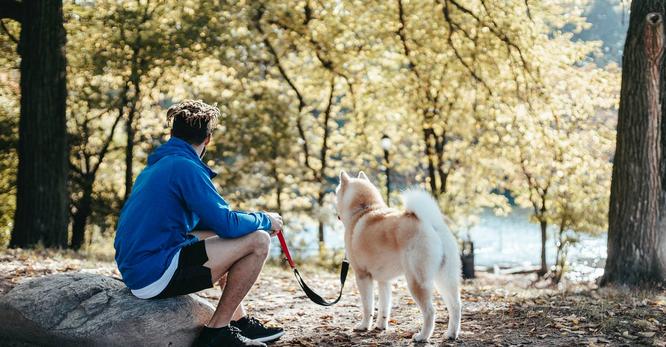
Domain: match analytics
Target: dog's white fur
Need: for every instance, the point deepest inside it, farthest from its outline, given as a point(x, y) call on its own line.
point(383, 243)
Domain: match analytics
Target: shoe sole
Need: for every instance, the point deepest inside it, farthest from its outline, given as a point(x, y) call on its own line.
point(270, 338)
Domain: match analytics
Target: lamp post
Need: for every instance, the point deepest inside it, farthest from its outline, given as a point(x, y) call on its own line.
point(386, 146)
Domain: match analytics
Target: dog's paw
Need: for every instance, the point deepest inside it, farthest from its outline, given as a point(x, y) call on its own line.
point(420, 337)
point(381, 326)
point(363, 326)
point(452, 334)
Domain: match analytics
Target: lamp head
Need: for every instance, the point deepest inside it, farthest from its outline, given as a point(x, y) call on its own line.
point(386, 142)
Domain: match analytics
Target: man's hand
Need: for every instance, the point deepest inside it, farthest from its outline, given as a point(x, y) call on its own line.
point(276, 221)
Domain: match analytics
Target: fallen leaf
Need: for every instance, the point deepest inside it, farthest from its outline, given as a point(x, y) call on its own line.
point(629, 336)
point(643, 324)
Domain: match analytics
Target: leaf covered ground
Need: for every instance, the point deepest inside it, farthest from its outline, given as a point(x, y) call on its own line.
point(505, 310)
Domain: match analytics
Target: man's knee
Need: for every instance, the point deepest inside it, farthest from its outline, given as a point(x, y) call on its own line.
point(261, 243)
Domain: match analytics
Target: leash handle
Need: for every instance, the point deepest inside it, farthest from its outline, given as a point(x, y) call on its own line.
point(283, 244)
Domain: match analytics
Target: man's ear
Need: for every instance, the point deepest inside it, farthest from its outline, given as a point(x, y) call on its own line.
point(207, 139)
point(344, 178)
point(362, 175)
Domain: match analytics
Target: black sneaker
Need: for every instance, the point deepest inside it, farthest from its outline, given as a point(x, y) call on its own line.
point(253, 329)
point(228, 336)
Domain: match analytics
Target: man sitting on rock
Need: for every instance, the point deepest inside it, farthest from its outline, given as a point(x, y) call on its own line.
point(160, 255)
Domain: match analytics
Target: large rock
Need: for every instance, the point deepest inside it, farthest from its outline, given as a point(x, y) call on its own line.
point(78, 309)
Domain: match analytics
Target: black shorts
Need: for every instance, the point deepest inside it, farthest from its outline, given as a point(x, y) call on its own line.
point(190, 275)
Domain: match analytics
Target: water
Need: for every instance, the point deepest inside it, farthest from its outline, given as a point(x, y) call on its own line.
point(499, 241)
point(513, 241)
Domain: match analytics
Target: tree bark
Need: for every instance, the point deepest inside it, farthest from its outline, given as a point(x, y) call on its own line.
point(544, 266)
point(129, 156)
point(135, 80)
point(429, 137)
point(41, 199)
point(561, 254)
point(636, 186)
point(324, 156)
point(80, 218)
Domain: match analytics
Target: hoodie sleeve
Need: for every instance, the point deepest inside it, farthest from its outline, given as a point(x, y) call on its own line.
point(201, 197)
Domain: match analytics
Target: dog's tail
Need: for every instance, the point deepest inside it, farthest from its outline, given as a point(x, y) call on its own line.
point(426, 209)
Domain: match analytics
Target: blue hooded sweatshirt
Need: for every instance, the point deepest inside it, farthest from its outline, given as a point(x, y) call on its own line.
point(171, 196)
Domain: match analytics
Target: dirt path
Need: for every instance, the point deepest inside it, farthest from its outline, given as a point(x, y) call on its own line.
point(497, 310)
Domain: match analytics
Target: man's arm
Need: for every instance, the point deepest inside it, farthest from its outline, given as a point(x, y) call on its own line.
point(202, 198)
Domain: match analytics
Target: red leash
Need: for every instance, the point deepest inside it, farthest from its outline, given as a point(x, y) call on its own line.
point(285, 250)
point(316, 298)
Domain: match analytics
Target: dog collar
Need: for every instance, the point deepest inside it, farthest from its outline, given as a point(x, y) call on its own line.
point(361, 210)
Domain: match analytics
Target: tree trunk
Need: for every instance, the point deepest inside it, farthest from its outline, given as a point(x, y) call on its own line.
point(321, 236)
point(636, 188)
point(324, 157)
point(440, 145)
point(80, 218)
point(560, 255)
point(544, 266)
point(135, 80)
point(320, 202)
point(129, 156)
point(428, 136)
point(41, 198)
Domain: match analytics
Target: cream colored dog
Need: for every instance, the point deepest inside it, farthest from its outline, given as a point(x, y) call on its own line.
point(383, 243)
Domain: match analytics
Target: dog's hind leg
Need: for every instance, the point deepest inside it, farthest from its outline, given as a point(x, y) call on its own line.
point(422, 293)
point(365, 289)
point(384, 305)
point(449, 289)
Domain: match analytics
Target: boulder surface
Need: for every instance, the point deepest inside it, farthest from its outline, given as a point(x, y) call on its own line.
point(80, 309)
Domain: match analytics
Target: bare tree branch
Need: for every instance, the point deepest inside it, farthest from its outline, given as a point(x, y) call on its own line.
point(529, 12)
point(292, 85)
point(75, 168)
point(327, 116)
point(493, 27)
point(4, 28)
point(107, 143)
point(283, 72)
point(462, 61)
point(502, 36)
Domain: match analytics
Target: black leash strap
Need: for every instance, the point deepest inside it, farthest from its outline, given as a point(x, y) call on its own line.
point(316, 298)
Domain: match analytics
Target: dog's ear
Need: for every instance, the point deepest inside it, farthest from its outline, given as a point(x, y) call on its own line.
point(344, 178)
point(362, 175)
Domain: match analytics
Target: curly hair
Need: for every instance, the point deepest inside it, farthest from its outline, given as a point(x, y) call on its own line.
point(192, 120)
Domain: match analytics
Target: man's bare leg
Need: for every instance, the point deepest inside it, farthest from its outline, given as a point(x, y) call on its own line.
point(239, 311)
point(222, 282)
point(241, 260)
